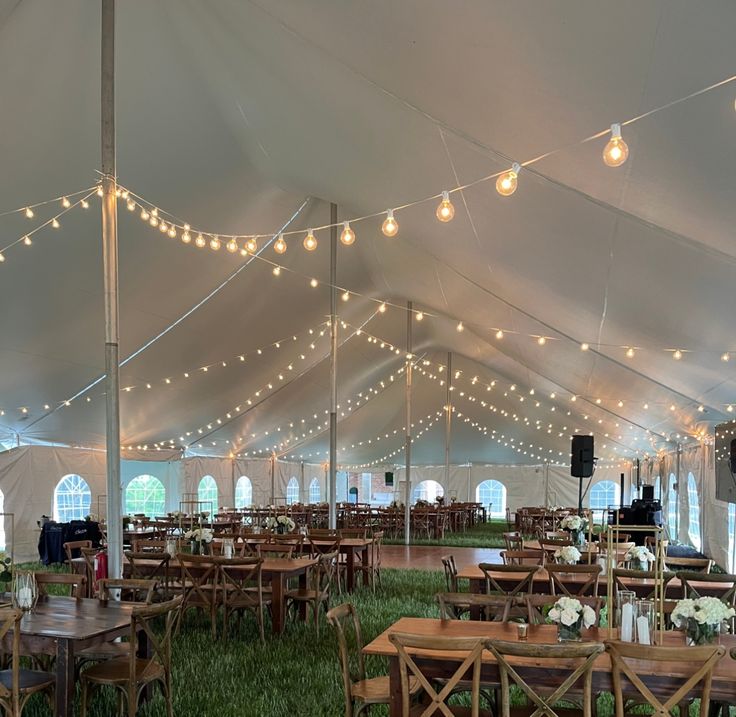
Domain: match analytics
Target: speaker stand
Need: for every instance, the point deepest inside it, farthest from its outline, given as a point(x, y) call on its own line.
point(580, 497)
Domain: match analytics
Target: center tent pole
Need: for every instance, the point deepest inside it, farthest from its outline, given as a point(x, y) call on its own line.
point(110, 271)
point(332, 488)
point(448, 418)
point(407, 431)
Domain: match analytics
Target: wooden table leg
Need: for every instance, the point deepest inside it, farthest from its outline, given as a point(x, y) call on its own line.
point(278, 609)
point(394, 677)
point(350, 567)
point(366, 567)
point(303, 586)
point(64, 693)
point(144, 651)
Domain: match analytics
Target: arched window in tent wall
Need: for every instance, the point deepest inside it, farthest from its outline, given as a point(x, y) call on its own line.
point(145, 494)
point(292, 491)
point(243, 492)
point(672, 507)
point(693, 501)
point(603, 494)
point(207, 491)
point(493, 493)
point(72, 499)
point(315, 493)
point(658, 488)
point(428, 490)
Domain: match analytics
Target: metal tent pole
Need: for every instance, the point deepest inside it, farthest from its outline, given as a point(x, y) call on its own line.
point(110, 264)
point(273, 479)
point(407, 432)
point(332, 488)
point(448, 418)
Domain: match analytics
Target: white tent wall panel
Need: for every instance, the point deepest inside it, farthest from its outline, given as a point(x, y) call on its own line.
point(259, 473)
point(168, 472)
point(221, 469)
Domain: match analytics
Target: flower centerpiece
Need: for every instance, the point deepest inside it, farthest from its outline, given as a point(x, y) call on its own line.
point(639, 557)
point(701, 619)
point(569, 555)
point(577, 526)
point(281, 524)
point(571, 617)
point(200, 539)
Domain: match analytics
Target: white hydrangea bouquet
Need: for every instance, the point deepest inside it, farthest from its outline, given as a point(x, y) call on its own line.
point(639, 557)
point(569, 555)
point(701, 619)
point(201, 535)
point(281, 524)
point(572, 522)
point(571, 617)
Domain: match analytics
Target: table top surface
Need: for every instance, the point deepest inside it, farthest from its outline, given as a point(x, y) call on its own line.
point(538, 634)
point(69, 618)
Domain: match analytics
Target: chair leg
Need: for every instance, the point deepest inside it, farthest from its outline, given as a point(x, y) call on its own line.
point(83, 707)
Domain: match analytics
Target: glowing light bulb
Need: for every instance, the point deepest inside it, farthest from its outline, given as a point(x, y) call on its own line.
point(55, 223)
point(346, 295)
point(541, 340)
point(172, 232)
point(65, 202)
point(85, 204)
point(725, 357)
point(200, 242)
point(277, 271)
point(215, 243)
point(279, 246)
point(310, 241)
point(677, 355)
point(506, 182)
point(314, 283)
point(729, 409)
point(445, 211)
point(27, 240)
point(144, 214)
point(100, 192)
point(251, 245)
point(186, 237)
point(29, 213)
point(419, 316)
point(584, 346)
point(616, 151)
point(347, 237)
point(131, 205)
point(382, 308)
point(460, 326)
point(2, 257)
point(390, 226)
point(630, 352)
point(232, 246)
point(153, 220)
point(499, 334)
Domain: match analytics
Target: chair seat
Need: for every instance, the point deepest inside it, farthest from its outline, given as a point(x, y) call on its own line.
point(28, 679)
point(118, 670)
point(105, 651)
point(378, 689)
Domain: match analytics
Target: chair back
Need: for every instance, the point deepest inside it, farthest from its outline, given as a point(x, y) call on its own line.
point(513, 541)
point(240, 580)
point(199, 576)
point(323, 542)
point(10, 696)
point(692, 565)
point(493, 608)
point(621, 575)
point(584, 582)
point(523, 557)
point(344, 619)
point(720, 585)
point(145, 545)
point(353, 532)
point(617, 538)
point(694, 666)
point(436, 701)
point(274, 550)
point(518, 579)
point(146, 620)
point(130, 590)
point(581, 655)
point(71, 548)
point(448, 564)
point(323, 574)
point(76, 584)
point(537, 607)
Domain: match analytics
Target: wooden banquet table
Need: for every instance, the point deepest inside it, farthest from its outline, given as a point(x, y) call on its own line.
point(276, 571)
point(61, 626)
point(724, 675)
point(641, 586)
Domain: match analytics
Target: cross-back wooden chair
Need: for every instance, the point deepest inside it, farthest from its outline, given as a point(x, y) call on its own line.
point(697, 664)
point(538, 606)
point(73, 584)
point(492, 608)
point(89, 555)
point(550, 546)
point(691, 565)
point(450, 568)
point(542, 701)
point(360, 691)
point(274, 550)
point(523, 557)
point(373, 565)
point(18, 685)
point(513, 540)
point(150, 566)
point(625, 579)
point(317, 594)
point(131, 674)
point(146, 545)
point(587, 585)
point(435, 697)
point(199, 580)
point(241, 587)
point(71, 549)
point(353, 532)
point(519, 578)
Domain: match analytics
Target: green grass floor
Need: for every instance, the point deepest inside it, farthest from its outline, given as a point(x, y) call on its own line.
point(484, 535)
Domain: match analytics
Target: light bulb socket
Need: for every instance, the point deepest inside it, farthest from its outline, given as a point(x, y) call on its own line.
point(445, 196)
point(615, 131)
point(516, 168)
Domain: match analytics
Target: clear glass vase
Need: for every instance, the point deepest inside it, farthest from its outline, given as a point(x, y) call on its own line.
point(570, 633)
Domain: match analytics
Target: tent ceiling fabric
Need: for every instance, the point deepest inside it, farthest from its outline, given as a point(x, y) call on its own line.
point(230, 114)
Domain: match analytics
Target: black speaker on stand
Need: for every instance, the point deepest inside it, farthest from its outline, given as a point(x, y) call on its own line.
point(582, 463)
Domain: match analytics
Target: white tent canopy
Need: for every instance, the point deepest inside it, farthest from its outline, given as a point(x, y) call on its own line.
point(231, 114)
